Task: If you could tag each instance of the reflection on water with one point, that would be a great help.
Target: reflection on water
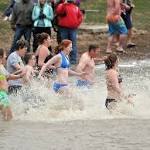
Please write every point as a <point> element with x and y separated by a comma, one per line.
<point>40,103</point>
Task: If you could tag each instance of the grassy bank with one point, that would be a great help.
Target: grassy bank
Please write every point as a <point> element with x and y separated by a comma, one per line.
<point>141,12</point>
<point>141,17</point>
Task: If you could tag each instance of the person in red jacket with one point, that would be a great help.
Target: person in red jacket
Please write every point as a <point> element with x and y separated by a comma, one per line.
<point>69,19</point>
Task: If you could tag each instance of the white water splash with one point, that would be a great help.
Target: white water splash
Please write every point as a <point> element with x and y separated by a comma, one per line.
<point>39,103</point>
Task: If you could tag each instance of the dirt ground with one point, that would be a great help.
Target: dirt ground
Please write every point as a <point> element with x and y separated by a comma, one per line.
<point>140,37</point>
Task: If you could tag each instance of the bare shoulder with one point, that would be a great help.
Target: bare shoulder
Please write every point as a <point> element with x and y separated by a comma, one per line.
<point>84,57</point>
<point>28,68</point>
<point>42,50</point>
<point>111,73</point>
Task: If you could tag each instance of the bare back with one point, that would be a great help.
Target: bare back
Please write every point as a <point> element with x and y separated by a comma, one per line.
<point>113,7</point>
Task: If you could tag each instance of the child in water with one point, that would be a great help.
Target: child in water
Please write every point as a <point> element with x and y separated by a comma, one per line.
<point>4,76</point>
<point>30,61</point>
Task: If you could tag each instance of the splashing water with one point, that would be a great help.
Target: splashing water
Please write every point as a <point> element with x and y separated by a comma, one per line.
<point>38,102</point>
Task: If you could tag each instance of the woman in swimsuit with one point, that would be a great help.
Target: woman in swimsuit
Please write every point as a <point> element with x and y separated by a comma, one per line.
<point>43,54</point>
<point>113,81</point>
<point>61,63</point>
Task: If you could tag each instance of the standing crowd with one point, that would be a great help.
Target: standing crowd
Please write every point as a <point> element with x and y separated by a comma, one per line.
<point>65,16</point>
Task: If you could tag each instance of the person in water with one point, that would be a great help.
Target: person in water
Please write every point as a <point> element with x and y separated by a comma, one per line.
<point>113,80</point>
<point>43,54</point>
<point>87,64</point>
<point>30,62</point>
<point>4,76</point>
<point>61,63</point>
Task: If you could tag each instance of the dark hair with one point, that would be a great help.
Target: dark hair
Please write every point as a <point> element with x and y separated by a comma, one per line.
<point>71,1</point>
<point>93,47</point>
<point>27,57</point>
<point>21,44</point>
<point>65,43</point>
<point>110,61</point>
<point>1,53</point>
<point>41,37</point>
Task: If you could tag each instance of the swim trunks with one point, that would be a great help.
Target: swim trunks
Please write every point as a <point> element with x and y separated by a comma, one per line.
<point>108,101</point>
<point>118,27</point>
<point>58,86</point>
<point>83,83</point>
<point>4,100</point>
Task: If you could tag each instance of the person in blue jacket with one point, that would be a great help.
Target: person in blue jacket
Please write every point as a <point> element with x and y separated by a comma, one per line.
<point>42,16</point>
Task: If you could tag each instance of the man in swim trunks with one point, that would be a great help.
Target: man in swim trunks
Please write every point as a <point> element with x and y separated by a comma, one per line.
<point>87,65</point>
<point>127,7</point>
<point>116,25</point>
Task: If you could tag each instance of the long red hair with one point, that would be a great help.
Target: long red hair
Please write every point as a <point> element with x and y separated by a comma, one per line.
<point>64,44</point>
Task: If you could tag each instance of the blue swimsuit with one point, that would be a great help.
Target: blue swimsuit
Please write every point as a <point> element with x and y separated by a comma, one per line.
<point>65,64</point>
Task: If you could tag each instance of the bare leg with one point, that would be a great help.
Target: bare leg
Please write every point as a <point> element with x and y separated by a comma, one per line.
<point>129,35</point>
<point>7,113</point>
<point>122,42</point>
<point>109,44</point>
<point>129,40</point>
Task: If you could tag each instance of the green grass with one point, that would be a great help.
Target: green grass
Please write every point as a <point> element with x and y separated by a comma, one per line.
<point>141,13</point>
<point>95,17</point>
<point>3,4</point>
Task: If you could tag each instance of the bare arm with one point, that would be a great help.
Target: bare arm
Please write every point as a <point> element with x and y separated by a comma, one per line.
<point>100,59</point>
<point>71,72</point>
<point>81,65</point>
<point>42,56</point>
<point>49,64</point>
<point>18,67</point>
<point>13,77</point>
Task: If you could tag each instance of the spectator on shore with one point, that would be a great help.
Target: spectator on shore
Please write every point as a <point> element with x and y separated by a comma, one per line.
<point>55,3</point>
<point>116,25</point>
<point>16,65</point>
<point>21,22</point>
<point>42,17</point>
<point>77,2</point>
<point>69,19</point>
<point>8,10</point>
<point>35,1</point>
<point>127,8</point>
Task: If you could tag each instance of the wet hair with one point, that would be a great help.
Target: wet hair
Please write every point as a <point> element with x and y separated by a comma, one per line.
<point>41,37</point>
<point>28,57</point>
<point>110,61</point>
<point>65,43</point>
<point>93,47</point>
<point>21,44</point>
<point>1,53</point>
